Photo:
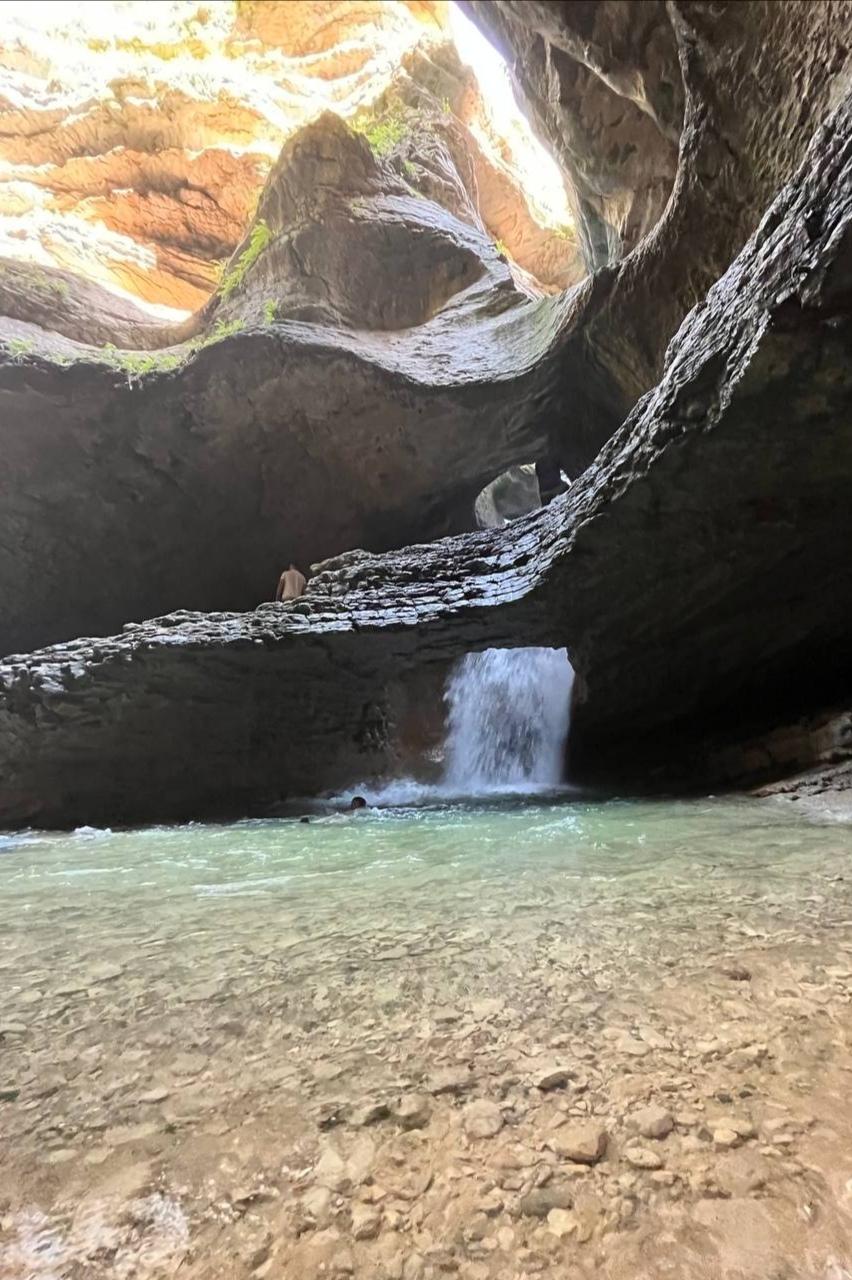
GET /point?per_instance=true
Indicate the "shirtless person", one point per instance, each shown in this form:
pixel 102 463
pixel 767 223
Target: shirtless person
pixel 291 584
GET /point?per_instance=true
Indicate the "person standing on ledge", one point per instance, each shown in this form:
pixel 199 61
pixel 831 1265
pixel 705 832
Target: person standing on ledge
pixel 291 584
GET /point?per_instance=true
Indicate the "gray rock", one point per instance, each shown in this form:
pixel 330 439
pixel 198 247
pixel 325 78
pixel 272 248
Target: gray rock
pixel 539 1202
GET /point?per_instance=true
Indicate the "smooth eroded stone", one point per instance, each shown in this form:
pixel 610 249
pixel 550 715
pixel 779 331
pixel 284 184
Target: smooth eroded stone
pixel 583 1143
pixel 539 1202
pixel 653 1122
pixel 366 1222
pixel 482 1119
pixel 643 1158
pixel 561 1222
pixel 412 1110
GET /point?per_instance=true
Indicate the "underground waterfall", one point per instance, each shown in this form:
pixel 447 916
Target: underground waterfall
pixel 508 713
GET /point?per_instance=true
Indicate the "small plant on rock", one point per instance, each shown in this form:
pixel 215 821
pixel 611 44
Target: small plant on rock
pixel 383 133
pixel 233 276
pixel 19 347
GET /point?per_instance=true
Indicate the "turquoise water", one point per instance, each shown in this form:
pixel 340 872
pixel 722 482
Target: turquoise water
pixel 67 897
pixel 168 990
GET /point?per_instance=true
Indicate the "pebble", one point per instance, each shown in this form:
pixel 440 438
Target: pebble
pixel 550 1077
pixel 726 1138
pixel 636 1048
pixel 561 1223
pixel 366 1222
pixel 653 1122
pixel 482 1119
pixel 582 1143
pixel 368 1113
pixel 539 1202
pixel 454 1080
pixel 412 1110
pixel 643 1158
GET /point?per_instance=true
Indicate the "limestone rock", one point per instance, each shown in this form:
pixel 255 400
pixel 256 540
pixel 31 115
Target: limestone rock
pixel 366 1222
pixel 653 1122
pixel 581 1142
pixel 643 1158
pixel 561 1223
pixel 482 1119
pixel 541 1201
pixel 412 1110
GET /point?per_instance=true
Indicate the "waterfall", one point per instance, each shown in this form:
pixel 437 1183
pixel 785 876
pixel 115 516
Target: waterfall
pixel 508 720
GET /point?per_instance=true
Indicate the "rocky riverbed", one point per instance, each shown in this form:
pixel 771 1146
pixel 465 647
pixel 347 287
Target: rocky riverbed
pixel 578 1039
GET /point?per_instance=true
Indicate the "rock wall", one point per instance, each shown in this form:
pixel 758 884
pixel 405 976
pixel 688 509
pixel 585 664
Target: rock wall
pixel 135 150
pixel 698 573
pixel 676 124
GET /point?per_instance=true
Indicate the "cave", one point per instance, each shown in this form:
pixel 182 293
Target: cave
pixel 498 858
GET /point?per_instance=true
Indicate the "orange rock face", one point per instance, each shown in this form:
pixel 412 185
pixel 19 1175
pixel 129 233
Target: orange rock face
pixel 137 138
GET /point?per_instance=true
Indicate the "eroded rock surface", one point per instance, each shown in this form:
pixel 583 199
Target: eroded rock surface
pixel 328 399
pixel 135 150
pixel 676 125
pixel 734 459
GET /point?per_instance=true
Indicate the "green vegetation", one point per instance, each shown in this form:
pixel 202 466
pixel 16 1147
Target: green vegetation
pixel 137 363
pixel 233 276
pixel 221 329
pixel 382 132
pixel 270 308
pixel 409 169
pixel 500 246
pixel 564 232
pixel 19 347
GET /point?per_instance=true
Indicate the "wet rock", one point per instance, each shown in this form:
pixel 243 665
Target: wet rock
pixel 643 1158
pixel 366 1222
pixel 412 1110
pixel 653 1122
pixel 330 1171
pixel 482 1119
pixel 551 1076
pixel 451 1080
pixel 582 1143
pixel 561 1223
pixel 367 1113
pixel 633 1047
pixel 539 1202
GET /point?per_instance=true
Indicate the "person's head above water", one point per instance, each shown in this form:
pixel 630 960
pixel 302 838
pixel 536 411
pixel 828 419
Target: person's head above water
pixel 357 802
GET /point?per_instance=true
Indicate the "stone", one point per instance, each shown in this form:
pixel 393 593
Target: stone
pixel 482 1119
pixel 561 1223
pixel 551 1076
pixel 724 1137
pixel 643 1158
pixel 330 1171
pixel 539 1202
pixel 583 1143
pixel 412 1110
pixel 451 1080
pixel 368 1113
pixel 366 1222
pixel 653 1122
